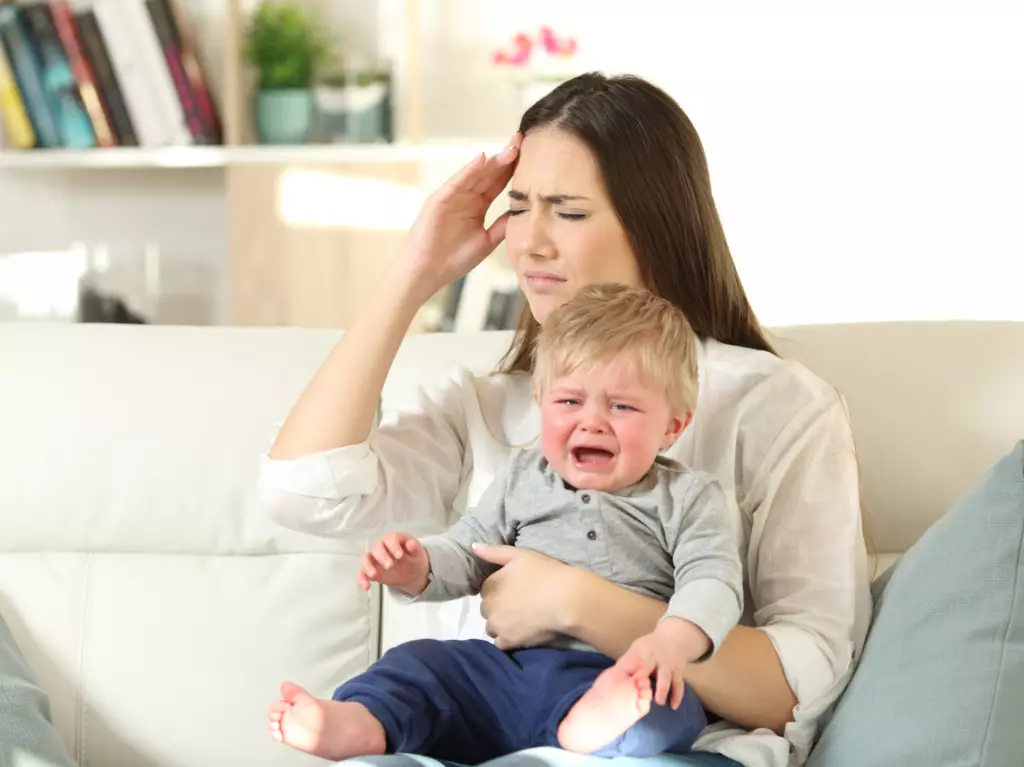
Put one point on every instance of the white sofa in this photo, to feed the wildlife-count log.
(161, 609)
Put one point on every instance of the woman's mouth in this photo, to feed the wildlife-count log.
(543, 281)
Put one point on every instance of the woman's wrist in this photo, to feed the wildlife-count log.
(575, 601)
(412, 287)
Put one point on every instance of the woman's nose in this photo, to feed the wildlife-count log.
(532, 237)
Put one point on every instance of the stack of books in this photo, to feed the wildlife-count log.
(80, 74)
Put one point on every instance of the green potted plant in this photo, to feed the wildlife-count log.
(286, 46)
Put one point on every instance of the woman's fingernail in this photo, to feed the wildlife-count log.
(477, 545)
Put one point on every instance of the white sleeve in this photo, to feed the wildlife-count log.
(405, 477)
(809, 583)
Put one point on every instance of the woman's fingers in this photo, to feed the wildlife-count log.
(506, 162)
(496, 172)
(460, 178)
(482, 173)
(496, 555)
(496, 231)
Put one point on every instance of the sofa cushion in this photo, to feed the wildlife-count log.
(941, 679)
(164, 607)
(27, 734)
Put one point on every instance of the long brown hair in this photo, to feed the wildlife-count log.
(654, 170)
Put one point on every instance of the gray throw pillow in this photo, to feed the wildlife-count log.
(27, 735)
(941, 679)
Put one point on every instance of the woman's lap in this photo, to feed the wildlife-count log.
(551, 757)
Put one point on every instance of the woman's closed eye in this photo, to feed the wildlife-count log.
(563, 216)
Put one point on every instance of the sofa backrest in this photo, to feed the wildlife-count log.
(161, 610)
(158, 606)
(933, 406)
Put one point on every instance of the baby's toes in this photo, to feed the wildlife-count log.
(643, 686)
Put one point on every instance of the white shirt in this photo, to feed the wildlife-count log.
(778, 439)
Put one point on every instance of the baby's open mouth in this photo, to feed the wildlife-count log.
(591, 456)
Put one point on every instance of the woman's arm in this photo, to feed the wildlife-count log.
(339, 404)
(447, 240)
(742, 682)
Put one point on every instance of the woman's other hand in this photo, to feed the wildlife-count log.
(448, 238)
(523, 602)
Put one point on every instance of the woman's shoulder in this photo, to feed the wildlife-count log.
(494, 405)
(764, 379)
(771, 405)
(495, 390)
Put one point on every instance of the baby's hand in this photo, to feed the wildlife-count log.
(665, 653)
(398, 560)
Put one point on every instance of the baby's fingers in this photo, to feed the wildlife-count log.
(393, 543)
(370, 570)
(380, 553)
(412, 546)
(678, 689)
(663, 684)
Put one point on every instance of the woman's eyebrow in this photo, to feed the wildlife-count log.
(553, 199)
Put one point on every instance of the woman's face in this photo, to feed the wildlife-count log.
(563, 233)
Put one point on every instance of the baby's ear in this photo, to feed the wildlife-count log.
(675, 428)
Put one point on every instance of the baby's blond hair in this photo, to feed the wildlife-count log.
(606, 322)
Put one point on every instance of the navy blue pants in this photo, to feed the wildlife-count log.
(467, 701)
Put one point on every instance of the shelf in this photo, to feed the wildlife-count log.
(221, 156)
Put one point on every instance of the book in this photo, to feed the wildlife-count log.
(12, 108)
(59, 84)
(142, 35)
(132, 74)
(109, 89)
(28, 75)
(190, 58)
(88, 92)
(168, 39)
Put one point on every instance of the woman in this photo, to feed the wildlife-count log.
(609, 183)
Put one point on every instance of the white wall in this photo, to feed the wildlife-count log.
(867, 157)
(868, 162)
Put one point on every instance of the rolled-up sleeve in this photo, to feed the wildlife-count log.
(708, 570)
(808, 572)
(405, 476)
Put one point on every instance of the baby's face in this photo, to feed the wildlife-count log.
(602, 428)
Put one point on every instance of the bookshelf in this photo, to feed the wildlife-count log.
(185, 157)
(314, 273)
(217, 55)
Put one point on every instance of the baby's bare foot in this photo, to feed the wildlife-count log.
(614, 703)
(326, 728)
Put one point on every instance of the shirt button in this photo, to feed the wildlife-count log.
(585, 497)
(592, 535)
